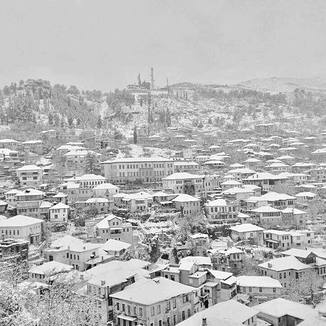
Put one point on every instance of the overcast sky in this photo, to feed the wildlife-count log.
(104, 44)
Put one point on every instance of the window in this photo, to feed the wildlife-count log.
(174, 302)
(123, 307)
(274, 290)
(183, 315)
(152, 311)
(260, 290)
(158, 309)
(118, 306)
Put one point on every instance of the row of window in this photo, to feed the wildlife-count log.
(143, 165)
(8, 232)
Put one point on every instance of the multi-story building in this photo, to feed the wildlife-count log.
(265, 180)
(157, 301)
(186, 166)
(136, 202)
(34, 146)
(28, 202)
(88, 181)
(22, 227)
(191, 184)
(141, 169)
(267, 215)
(284, 269)
(277, 239)
(72, 251)
(59, 213)
(247, 232)
(301, 238)
(9, 143)
(294, 217)
(113, 227)
(187, 205)
(30, 175)
(222, 211)
(106, 279)
(259, 288)
(190, 274)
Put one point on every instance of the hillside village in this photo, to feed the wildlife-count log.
(161, 206)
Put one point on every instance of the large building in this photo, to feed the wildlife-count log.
(191, 184)
(157, 301)
(141, 169)
(22, 227)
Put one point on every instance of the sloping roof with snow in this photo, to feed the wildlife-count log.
(284, 263)
(227, 313)
(20, 220)
(185, 198)
(247, 227)
(151, 291)
(258, 281)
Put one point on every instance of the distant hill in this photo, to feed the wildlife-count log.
(285, 85)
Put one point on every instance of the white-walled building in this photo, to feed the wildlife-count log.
(142, 169)
(188, 205)
(59, 213)
(113, 227)
(30, 175)
(22, 227)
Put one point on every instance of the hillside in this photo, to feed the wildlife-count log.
(188, 106)
(284, 85)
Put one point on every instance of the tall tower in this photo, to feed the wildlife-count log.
(152, 78)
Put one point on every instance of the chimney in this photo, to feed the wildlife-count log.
(204, 322)
(102, 283)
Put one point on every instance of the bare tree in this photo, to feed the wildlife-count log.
(305, 287)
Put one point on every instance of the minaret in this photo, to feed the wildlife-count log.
(152, 78)
(139, 80)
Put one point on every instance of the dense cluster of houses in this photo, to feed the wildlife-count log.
(183, 239)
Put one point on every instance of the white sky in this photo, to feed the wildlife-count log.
(104, 44)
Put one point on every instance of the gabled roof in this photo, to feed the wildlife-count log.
(185, 198)
(60, 206)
